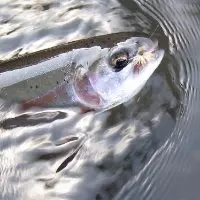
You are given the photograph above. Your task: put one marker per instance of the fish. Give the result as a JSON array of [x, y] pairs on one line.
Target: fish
[[97, 73]]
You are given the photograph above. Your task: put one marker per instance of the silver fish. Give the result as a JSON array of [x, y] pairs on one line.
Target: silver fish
[[95, 77]]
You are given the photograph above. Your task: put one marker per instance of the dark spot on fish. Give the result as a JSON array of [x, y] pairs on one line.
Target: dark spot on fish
[[36, 86], [57, 82], [66, 80], [31, 87], [108, 38]]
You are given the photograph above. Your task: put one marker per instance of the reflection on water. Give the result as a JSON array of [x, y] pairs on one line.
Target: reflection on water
[[147, 148], [27, 26]]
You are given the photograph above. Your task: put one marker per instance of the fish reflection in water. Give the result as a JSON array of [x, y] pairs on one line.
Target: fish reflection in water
[[95, 77]]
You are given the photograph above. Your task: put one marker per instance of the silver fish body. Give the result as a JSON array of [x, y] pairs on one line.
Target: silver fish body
[[95, 77]]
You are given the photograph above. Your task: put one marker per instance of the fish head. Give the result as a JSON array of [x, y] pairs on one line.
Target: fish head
[[118, 74]]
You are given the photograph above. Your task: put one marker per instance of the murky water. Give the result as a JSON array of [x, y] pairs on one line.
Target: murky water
[[145, 149]]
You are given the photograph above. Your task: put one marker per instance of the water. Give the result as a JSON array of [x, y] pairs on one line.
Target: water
[[145, 149]]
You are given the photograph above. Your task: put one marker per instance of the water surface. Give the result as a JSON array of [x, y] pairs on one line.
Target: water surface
[[145, 149]]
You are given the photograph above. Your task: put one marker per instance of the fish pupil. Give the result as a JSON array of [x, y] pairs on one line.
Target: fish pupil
[[120, 64]]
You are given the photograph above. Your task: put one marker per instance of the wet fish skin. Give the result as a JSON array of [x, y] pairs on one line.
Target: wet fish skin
[[39, 56], [74, 74]]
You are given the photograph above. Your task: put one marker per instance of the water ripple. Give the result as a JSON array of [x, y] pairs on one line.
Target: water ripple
[[162, 175]]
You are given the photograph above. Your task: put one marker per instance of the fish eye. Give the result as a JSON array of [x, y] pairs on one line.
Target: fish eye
[[119, 60]]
